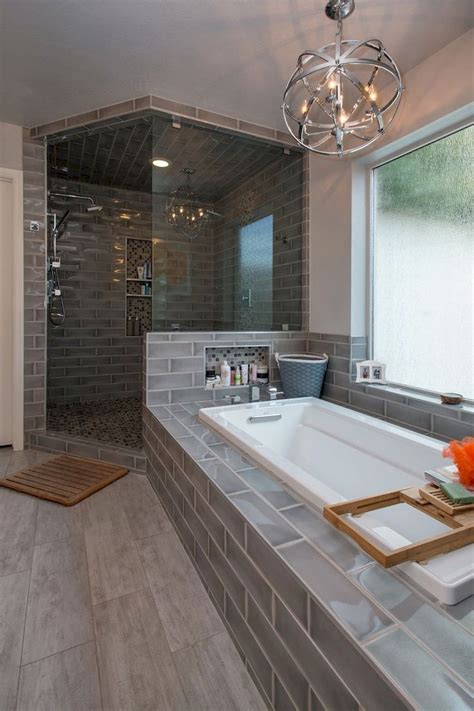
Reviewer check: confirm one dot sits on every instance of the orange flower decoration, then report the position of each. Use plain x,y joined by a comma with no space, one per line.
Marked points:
462,453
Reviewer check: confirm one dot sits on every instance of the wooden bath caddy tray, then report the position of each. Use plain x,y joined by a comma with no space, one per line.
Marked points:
461,522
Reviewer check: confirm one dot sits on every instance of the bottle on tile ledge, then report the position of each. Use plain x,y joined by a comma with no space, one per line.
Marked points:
253,372
225,374
232,375
238,379
245,373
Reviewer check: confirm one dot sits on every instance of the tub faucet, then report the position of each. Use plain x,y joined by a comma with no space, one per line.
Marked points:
261,391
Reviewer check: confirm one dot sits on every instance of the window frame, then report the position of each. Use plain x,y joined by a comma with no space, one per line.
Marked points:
364,171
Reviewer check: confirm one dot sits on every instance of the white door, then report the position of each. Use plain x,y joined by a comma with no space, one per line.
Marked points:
6,310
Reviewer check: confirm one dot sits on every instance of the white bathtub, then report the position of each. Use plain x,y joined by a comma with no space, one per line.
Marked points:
328,453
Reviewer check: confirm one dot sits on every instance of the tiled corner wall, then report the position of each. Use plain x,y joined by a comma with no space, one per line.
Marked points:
416,412
278,191
175,366
318,624
34,245
89,356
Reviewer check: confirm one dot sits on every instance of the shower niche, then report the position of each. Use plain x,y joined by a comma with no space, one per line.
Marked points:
139,286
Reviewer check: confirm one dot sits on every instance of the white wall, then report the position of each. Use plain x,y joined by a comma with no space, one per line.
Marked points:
11,146
436,87
11,285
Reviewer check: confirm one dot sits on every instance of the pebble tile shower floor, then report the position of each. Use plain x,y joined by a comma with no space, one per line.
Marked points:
116,422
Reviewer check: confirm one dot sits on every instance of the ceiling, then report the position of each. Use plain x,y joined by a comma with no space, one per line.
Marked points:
119,156
63,57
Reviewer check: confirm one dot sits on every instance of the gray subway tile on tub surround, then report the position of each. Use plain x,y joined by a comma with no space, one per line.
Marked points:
365,681
268,488
338,547
431,626
328,686
353,610
425,680
222,476
268,522
306,586
281,660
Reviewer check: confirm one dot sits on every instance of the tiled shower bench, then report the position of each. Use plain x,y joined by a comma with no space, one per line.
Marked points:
318,623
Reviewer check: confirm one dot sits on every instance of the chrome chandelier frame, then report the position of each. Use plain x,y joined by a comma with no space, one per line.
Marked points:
185,211
313,102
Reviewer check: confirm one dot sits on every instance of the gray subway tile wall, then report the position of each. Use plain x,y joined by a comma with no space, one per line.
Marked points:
167,351
279,191
34,246
185,351
89,356
417,412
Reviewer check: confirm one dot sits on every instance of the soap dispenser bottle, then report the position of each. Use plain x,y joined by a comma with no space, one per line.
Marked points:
225,374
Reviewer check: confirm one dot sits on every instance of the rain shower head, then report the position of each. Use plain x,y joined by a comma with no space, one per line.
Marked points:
93,207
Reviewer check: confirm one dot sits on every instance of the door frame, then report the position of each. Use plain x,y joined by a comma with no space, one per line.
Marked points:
15,177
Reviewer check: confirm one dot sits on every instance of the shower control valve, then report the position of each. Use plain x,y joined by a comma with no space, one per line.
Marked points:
57,292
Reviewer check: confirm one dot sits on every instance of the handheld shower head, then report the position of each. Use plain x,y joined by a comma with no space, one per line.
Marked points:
95,208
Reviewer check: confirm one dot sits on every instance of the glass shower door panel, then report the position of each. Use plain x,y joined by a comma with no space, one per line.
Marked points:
254,276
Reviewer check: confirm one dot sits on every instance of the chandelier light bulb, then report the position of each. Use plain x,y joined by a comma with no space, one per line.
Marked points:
343,117
371,92
313,99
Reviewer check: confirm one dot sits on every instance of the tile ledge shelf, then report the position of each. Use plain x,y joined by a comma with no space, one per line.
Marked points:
413,394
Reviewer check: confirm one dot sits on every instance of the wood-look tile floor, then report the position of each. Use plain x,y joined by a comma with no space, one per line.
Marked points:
102,610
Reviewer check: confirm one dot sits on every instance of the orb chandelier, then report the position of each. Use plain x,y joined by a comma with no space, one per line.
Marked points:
343,96
185,211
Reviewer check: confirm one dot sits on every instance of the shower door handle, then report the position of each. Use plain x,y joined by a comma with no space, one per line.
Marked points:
247,298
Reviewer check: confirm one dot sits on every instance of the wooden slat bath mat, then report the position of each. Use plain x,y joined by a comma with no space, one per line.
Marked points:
64,479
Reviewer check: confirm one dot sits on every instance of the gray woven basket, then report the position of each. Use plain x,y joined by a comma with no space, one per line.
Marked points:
302,375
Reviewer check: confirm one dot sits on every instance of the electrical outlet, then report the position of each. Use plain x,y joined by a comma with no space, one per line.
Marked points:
34,226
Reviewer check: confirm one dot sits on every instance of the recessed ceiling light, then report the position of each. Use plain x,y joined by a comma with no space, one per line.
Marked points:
161,162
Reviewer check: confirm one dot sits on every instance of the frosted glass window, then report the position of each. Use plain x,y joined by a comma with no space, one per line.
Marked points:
423,266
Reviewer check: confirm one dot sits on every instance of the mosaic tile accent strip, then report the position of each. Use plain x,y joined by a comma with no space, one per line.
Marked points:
139,307
138,251
115,422
266,585
214,357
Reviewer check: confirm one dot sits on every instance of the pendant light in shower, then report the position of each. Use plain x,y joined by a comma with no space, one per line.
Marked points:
185,211
343,96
